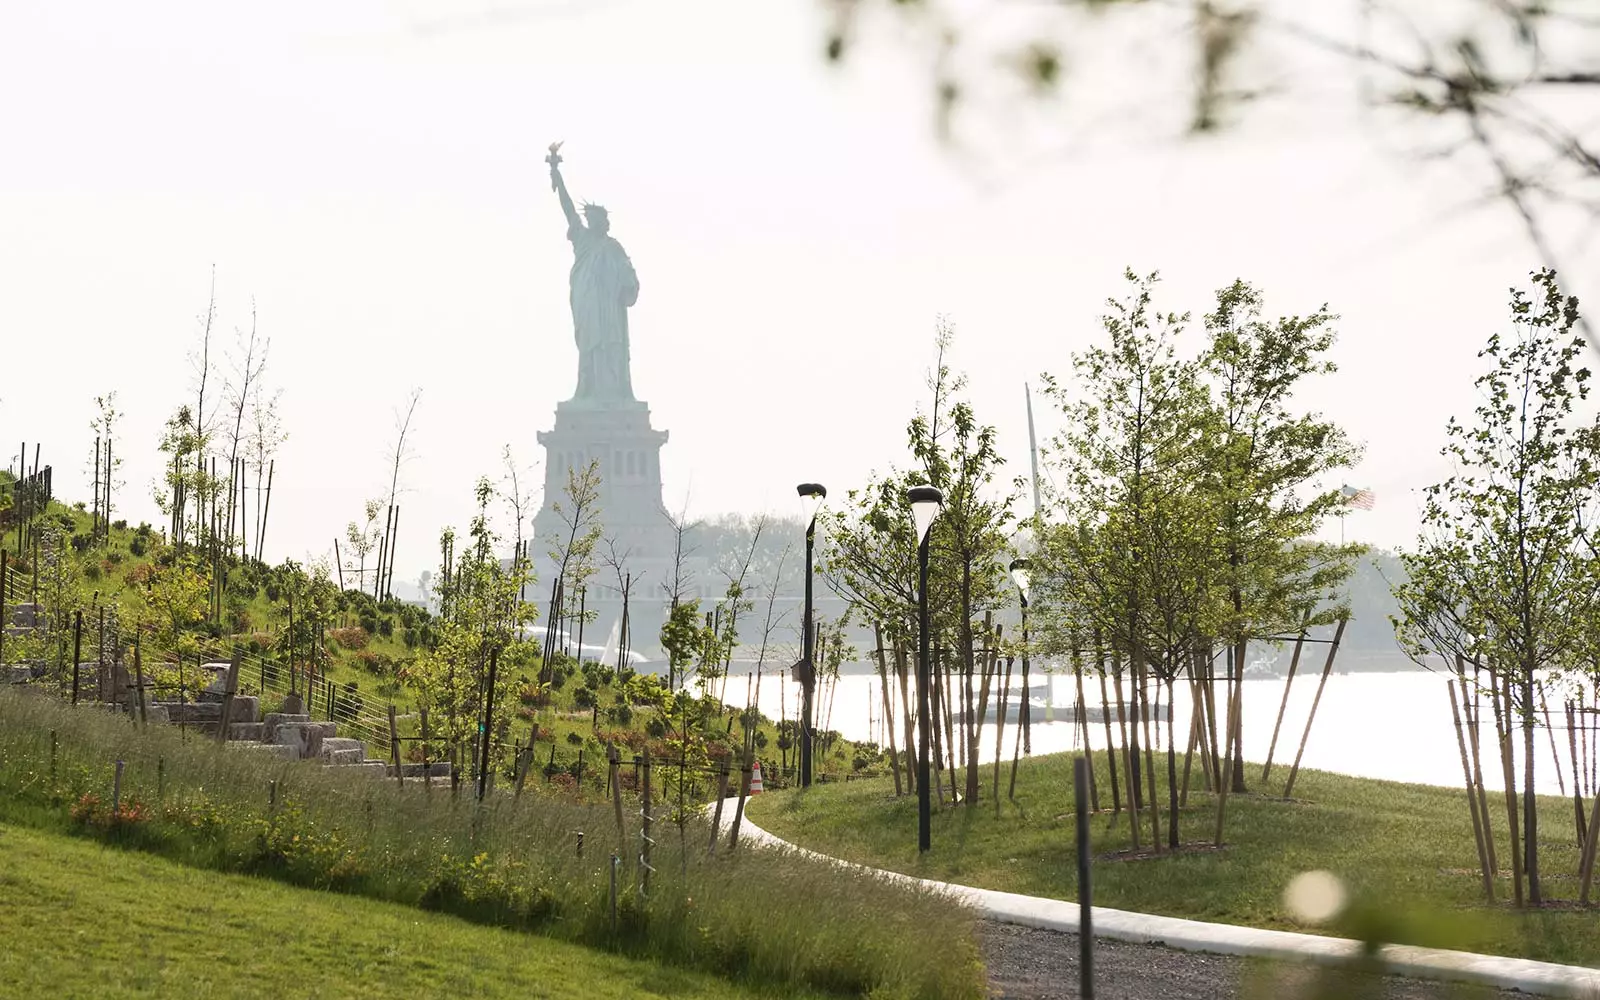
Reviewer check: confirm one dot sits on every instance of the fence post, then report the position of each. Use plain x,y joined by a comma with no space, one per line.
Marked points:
613,772
161,778
116,788
228,690
644,832
526,763
427,780
138,677
394,749
77,649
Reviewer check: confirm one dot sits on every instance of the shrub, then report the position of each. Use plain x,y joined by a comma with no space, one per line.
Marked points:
386,627
585,697
575,738
352,638
622,714
121,524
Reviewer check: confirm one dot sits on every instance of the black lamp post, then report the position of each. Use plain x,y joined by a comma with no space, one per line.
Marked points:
925,503
811,497
1020,575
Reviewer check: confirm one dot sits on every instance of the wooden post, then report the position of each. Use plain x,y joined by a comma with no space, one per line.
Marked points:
1294,662
1472,798
394,749
1502,725
1477,763
614,764
644,831
1586,857
5,561
77,644
1327,668
230,685
716,820
1000,731
1111,745
1082,722
427,777
138,677
1225,774
527,762
1577,794
888,727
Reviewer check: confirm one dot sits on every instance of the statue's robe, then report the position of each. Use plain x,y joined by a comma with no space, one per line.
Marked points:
604,285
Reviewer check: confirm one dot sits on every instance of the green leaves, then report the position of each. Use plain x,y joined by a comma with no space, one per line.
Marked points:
1192,488
1505,566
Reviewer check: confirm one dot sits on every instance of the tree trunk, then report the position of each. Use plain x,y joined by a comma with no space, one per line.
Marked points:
1530,801
1172,770
888,715
1111,745
1502,726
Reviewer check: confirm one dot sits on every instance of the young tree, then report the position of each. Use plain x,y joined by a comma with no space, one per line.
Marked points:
1135,543
1266,465
573,548
265,436
481,631
1505,563
362,539
960,457
107,460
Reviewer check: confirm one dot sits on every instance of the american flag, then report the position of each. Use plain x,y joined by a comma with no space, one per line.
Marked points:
1361,499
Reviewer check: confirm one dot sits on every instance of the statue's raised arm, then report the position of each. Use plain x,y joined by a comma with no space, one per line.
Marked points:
559,186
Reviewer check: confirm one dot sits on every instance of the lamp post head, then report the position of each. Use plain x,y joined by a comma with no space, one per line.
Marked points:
926,502
811,497
1022,576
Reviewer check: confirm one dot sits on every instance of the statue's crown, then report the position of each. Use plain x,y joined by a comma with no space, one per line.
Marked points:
590,207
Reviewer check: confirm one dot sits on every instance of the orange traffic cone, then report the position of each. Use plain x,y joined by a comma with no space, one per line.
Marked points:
755,779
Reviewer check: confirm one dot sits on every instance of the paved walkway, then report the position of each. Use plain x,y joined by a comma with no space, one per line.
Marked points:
1543,978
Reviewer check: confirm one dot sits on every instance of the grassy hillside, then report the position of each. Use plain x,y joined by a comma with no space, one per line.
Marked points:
370,653
1405,852
752,915
85,920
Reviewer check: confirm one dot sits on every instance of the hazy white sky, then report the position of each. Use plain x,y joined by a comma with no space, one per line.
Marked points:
371,175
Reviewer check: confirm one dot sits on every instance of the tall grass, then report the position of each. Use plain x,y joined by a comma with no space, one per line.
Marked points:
754,915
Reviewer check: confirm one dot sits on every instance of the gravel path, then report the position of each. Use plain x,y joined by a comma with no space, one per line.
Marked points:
1029,963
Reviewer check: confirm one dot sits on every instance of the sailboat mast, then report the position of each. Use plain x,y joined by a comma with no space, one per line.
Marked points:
1033,452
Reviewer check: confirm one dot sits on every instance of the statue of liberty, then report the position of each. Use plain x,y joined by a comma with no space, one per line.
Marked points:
604,285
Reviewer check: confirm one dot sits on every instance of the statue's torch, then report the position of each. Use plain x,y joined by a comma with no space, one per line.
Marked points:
554,159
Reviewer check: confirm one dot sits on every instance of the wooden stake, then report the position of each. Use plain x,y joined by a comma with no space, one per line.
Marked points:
1502,725
1327,668
1294,663
888,715
1111,746
1472,798
1577,796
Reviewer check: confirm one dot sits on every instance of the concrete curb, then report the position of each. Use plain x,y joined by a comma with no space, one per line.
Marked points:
1541,978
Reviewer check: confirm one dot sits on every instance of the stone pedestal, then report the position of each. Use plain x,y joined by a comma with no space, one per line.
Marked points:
617,436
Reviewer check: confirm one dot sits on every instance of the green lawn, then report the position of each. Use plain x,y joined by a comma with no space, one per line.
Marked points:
83,920
1405,851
